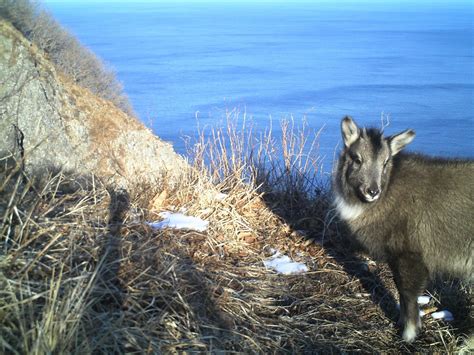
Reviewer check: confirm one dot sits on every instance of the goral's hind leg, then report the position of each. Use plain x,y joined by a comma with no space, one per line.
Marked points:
411,276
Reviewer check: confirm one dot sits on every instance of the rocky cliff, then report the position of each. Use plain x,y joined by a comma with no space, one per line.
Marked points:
56,125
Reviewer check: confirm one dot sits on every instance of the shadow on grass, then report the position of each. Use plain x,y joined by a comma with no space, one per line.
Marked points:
457,298
151,278
110,252
314,219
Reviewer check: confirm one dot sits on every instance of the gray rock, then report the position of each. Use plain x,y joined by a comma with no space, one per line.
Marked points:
57,125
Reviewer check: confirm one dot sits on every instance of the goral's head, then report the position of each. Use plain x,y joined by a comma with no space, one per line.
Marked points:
367,159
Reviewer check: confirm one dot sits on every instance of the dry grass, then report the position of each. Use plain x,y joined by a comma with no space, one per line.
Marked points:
82,272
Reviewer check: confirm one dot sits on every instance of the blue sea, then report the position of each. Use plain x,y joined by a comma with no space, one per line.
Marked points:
185,64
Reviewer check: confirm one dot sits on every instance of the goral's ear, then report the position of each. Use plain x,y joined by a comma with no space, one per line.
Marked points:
350,131
401,140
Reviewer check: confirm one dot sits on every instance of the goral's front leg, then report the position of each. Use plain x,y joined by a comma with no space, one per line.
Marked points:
411,276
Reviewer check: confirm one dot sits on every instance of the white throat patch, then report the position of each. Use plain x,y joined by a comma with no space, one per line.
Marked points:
346,210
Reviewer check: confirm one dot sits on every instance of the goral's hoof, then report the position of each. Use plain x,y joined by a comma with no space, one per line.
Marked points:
410,332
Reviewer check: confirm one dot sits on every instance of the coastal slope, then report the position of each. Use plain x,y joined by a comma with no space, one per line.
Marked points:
57,125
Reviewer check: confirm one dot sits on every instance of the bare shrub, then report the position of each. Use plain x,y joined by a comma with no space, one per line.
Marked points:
282,162
66,52
21,13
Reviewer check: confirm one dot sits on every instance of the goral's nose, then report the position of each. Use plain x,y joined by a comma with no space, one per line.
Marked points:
373,191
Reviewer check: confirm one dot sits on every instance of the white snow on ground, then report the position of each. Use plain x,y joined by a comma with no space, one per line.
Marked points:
422,300
220,196
180,221
284,265
446,315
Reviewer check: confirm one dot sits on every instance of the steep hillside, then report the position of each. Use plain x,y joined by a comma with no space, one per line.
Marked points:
58,125
100,270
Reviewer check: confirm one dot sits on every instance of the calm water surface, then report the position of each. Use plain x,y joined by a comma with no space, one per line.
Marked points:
178,61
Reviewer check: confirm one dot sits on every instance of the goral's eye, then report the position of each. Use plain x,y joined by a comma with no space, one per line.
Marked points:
357,161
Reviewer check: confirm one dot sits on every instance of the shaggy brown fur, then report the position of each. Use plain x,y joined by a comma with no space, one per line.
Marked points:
413,211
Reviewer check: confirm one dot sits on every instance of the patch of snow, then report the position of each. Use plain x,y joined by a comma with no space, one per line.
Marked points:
220,196
180,221
284,265
422,300
446,315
